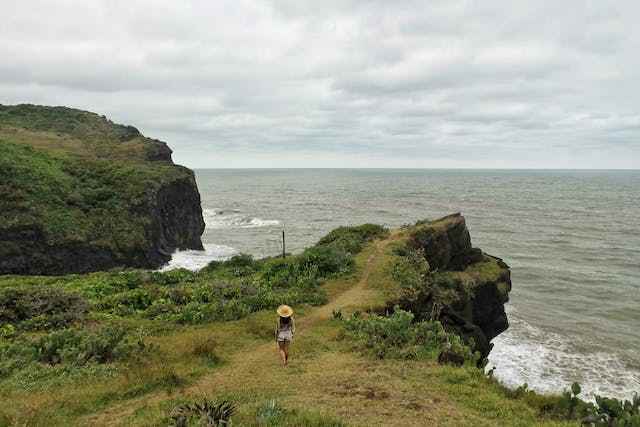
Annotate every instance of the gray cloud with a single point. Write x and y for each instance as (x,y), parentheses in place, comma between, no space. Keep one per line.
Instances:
(342,83)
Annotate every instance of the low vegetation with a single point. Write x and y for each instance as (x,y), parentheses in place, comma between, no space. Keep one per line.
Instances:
(80,193)
(142,348)
(82,320)
(398,336)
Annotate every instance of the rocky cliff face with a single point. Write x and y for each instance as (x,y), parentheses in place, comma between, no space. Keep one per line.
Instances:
(79,193)
(466,289)
(176,216)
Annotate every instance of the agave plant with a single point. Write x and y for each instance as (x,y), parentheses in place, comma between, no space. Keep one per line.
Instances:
(270,412)
(209,413)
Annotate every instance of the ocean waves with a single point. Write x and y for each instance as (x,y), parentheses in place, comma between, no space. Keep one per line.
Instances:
(229,219)
(549,362)
(195,260)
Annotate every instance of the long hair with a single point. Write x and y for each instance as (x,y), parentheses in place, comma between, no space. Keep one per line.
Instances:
(284,320)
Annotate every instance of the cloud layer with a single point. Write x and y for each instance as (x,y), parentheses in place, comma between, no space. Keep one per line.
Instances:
(342,83)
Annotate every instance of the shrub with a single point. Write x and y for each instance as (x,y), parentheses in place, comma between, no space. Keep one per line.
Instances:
(161,309)
(7,331)
(80,347)
(234,310)
(40,307)
(173,277)
(14,355)
(209,413)
(325,261)
(238,266)
(397,336)
(411,270)
(352,239)
(279,272)
(127,302)
(196,312)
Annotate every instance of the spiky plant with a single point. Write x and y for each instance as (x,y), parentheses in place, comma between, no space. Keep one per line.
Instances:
(270,412)
(210,413)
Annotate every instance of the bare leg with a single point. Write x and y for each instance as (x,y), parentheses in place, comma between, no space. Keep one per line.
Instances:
(282,349)
(286,353)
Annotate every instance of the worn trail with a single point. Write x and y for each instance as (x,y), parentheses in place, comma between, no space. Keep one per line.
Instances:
(250,367)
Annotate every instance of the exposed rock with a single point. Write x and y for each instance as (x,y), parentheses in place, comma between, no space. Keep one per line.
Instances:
(446,243)
(466,288)
(158,151)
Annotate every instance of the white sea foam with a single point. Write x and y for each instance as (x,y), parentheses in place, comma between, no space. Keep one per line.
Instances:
(195,260)
(221,219)
(549,363)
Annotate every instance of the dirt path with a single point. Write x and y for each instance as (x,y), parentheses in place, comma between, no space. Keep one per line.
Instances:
(250,367)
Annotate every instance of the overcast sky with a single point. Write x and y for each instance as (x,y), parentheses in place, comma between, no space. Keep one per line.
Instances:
(244,83)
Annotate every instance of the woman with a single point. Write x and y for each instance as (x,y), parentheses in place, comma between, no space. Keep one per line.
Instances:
(285,328)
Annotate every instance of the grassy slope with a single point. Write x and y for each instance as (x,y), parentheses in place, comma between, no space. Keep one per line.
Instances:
(325,376)
(57,172)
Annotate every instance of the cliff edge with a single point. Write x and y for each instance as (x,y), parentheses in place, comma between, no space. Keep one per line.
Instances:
(463,287)
(79,193)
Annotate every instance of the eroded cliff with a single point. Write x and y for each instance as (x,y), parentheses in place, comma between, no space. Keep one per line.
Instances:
(79,193)
(462,287)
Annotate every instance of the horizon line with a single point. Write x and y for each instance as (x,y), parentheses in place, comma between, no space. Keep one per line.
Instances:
(405,168)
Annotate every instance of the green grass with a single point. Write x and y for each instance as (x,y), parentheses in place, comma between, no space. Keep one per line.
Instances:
(74,180)
(72,200)
(123,305)
(326,384)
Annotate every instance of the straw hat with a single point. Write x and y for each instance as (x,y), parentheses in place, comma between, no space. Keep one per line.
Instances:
(284,311)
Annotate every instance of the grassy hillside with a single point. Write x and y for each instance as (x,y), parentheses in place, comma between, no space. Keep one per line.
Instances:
(129,348)
(63,130)
(73,181)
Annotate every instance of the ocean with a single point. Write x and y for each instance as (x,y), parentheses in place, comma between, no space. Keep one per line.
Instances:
(572,239)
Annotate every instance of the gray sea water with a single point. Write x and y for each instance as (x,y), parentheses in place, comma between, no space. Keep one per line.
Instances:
(572,239)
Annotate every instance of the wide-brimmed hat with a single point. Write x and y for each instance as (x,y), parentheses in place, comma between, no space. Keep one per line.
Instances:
(284,311)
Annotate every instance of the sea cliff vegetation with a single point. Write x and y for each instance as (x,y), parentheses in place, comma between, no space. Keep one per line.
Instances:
(80,193)
(388,334)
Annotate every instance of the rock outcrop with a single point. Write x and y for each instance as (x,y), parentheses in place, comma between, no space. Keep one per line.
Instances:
(79,193)
(466,288)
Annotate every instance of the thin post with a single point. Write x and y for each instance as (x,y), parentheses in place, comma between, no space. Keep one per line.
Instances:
(283,247)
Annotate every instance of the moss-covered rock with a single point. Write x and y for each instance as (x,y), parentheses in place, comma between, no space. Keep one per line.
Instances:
(79,193)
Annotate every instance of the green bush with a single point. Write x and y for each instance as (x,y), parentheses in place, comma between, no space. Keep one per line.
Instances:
(224,290)
(40,307)
(127,302)
(69,347)
(288,272)
(173,277)
(398,336)
(14,355)
(325,261)
(237,266)
(352,239)
(80,347)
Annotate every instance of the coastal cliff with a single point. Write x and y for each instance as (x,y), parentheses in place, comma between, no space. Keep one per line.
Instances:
(463,287)
(79,193)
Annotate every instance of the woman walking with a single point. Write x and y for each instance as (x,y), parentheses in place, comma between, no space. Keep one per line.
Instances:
(285,328)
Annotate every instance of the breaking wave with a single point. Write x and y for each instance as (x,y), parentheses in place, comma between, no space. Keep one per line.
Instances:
(195,260)
(549,363)
(225,219)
